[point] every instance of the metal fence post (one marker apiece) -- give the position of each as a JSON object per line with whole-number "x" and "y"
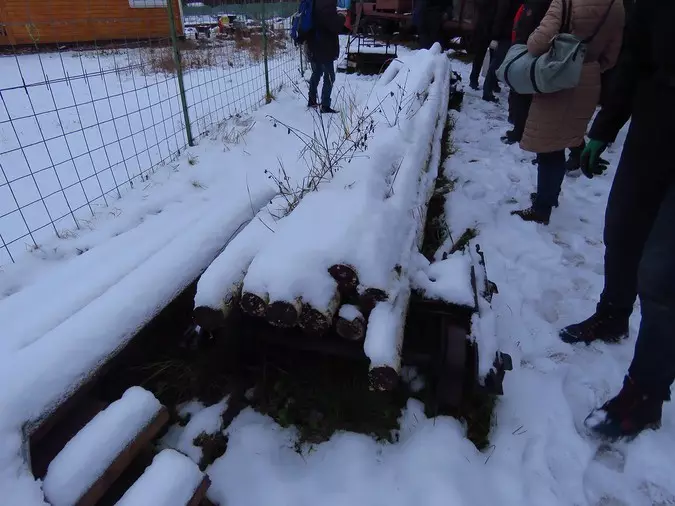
{"x": 179, "y": 72}
{"x": 268, "y": 93}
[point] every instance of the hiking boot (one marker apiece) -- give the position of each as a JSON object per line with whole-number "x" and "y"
{"x": 530, "y": 214}
{"x": 312, "y": 103}
{"x": 627, "y": 414}
{"x": 491, "y": 98}
{"x": 605, "y": 325}
{"x": 328, "y": 110}
{"x": 533, "y": 199}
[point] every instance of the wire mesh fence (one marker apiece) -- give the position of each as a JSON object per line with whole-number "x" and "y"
{"x": 95, "y": 97}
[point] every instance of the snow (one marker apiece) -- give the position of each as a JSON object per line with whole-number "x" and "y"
{"x": 222, "y": 280}
{"x": 548, "y": 277}
{"x": 202, "y": 421}
{"x": 349, "y": 312}
{"x": 448, "y": 280}
{"x": 170, "y": 480}
{"x": 90, "y": 452}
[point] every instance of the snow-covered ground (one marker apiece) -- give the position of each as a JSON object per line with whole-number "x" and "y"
{"x": 547, "y": 276}
{"x": 78, "y": 129}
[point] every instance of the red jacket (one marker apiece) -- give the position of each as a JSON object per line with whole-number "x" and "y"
{"x": 515, "y": 22}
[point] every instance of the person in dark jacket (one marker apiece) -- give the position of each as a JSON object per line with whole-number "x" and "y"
{"x": 482, "y": 36}
{"x": 431, "y": 20}
{"x": 323, "y": 48}
{"x": 501, "y": 32}
{"x": 639, "y": 232}
{"x": 519, "y": 105}
{"x": 573, "y": 165}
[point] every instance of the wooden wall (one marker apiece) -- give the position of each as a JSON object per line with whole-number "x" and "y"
{"x": 69, "y": 21}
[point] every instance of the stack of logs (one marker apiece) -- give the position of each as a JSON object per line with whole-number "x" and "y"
{"x": 348, "y": 310}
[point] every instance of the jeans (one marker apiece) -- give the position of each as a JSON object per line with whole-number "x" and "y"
{"x": 496, "y": 59}
{"x": 480, "y": 47}
{"x": 327, "y": 70}
{"x": 550, "y": 175}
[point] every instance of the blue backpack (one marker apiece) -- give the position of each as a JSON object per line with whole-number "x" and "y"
{"x": 303, "y": 22}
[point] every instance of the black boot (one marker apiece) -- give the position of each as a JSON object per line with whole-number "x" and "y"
{"x": 474, "y": 84}
{"x": 327, "y": 110}
{"x": 491, "y": 98}
{"x": 606, "y": 325}
{"x": 530, "y": 214}
{"x": 627, "y": 414}
{"x": 311, "y": 103}
{"x": 510, "y": 138}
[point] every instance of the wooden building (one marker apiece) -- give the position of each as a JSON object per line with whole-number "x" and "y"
{"x": 37, "y": 22}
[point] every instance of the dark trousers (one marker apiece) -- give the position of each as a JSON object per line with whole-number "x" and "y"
{"x": 327, "y": 71}
{"x": 496, "y": 59}
{"x": 519, "y": 108}
{"x": 480, "y": 46}
{"x": 640, "y": 253}
{"x": 550, "y": 175}
{"x": 431, "y": 26}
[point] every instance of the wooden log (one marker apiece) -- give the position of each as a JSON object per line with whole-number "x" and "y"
{"x": 284, "y": 314}
{"x": 254, "y": 304}
{"x": 208, "y": 318}
{"x": 370, "y": 297}
{"x": 346, "y": 277}
{"x": 350, "y": 324}
{"x": 317, "y": 321}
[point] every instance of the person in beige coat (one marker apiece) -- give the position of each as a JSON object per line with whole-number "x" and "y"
{"x": 558, "y": 120}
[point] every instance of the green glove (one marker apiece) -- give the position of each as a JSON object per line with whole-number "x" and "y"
{"x": 591, "y": 163}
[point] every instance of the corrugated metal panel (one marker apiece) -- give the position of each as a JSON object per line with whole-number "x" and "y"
{"x": 68, "y": 21}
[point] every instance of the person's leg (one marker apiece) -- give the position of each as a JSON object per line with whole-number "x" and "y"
{"x": 481, "y": 45}
{"x": 639, "y": 404}
{"x": 634, "y": 200}
{"x": 521, "y": 108}
{"x": 550, "y": 175}
{"x": 633, "y": 204}
{"x": 491, "y": 79}
{"x": 314, "y": 79}
{"x": 653, "y": 366}
{"x": 327, "y": 89}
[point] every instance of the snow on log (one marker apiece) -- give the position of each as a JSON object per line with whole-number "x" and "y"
{"x": 350, "y": 323}
{"x": 408, "y": 203}
{"x": 254, "y": 304}
{"x": 345, "y": 276}
{"x": 384, "y": 340}
{"x": 448, "y": 280}
{"x": 100, "y": 451}
{"x": 284, "y": 314}
{"x": 219, "y": 288}
{"x": 316, "y": 320}
{"x": 171, "y": 480}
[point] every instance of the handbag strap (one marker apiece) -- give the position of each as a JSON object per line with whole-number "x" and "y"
{"x": 589, "y": 39}
{"x": 566, "y": 20}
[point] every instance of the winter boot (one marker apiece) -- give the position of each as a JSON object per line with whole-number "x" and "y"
{"x": 491, "y": 98}
{"x": 509, "y": 138}
{"x": 327, "y": 110}
{"x": 312, "y": 103}
{"x": 627, "y": 414}
{"x": 530, "y": 214}
{"x": 474, "y": 85}
{"x": 606, "y": 325}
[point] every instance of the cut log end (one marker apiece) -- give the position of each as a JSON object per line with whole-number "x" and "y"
{"x": 352, "y": 330}
{"x": 283, "y": 314}
{"x": 253, "y": 304}
{"x": 345, "y": 276}
{"x": 383, "y": 378}
{"x": 317, "y": 322}
{"x": 370, "y": 297}
{"x": 208, "y": 318}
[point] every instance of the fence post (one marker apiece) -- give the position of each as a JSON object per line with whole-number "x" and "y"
{"x": 179, "y": 72}
{"x": 268, "y": 93}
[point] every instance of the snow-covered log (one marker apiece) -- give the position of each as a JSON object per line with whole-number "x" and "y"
{"x": 171, "y": 480}
{"x": 411, "y": 190}
{"x": 346, "y": 277}
{"x": 316, "y": 320}
{"x": 89, "y": 463}
{"x": 254, "y": 304}
{"x": 350, "y": 323}
{"x": 219, "y": 288}
{"x": 284, "y": 314}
